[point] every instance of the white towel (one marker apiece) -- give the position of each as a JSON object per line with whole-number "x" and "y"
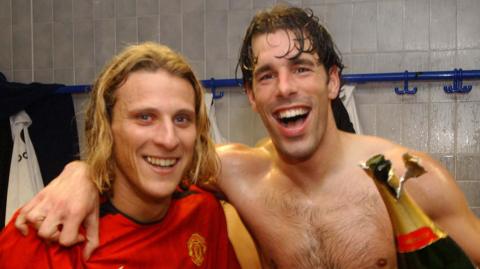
{"x": 25, "y": 179}
{"x": 346, "y": 95}
{"x": 214, "y": 130}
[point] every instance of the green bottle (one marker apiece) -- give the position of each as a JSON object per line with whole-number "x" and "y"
{"x": 420, "y": 243}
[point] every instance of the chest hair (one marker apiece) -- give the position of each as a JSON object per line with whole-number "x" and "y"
{"x": 348, "y": 231}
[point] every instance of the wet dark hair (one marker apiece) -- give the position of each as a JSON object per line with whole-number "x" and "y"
{"x": 303, "y": 24}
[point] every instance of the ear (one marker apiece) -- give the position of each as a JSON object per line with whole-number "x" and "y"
{"x": 333, "y": 82}
{"x": 251, "y": 96}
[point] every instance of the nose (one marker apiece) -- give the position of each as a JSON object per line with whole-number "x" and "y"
{"x": 165, "y": 135}
{"x": 285, "y": 84}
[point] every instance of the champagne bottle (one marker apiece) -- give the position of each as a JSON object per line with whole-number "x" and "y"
{"x": 420, "y": 243}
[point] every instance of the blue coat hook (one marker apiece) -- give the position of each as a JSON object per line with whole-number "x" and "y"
{"x": 213, "y": 88}
{"x": 457, "y": 86}
{"x": 405, "y": 86}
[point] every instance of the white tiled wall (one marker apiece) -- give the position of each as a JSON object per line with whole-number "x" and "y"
{"x": 68, "y": 41}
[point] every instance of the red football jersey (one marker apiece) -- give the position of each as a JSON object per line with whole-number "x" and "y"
{"x": 193, "y": 234}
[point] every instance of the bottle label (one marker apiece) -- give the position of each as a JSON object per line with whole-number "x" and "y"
{"x": 415, "y": 240}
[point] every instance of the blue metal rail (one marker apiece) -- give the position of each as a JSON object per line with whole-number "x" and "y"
{"x": 457, "y": 76}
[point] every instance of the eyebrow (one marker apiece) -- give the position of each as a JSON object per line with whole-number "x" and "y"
{"x": 291, "y": 61}
{"x": 302, "y": 61}
{"x": 154, "y": 109}
{"x": 261, "y": 69}
{"x": 188, "y": 111}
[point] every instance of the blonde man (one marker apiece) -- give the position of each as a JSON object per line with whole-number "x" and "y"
{"x": 147, "y": 140}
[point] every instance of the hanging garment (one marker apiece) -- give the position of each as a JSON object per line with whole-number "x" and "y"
{"x": 340, "y": 114}
{"x": 25, "y": 179}
{"x": 214, "y": 130}
{"x": 53, "y": 131}
{"x": 346, "y": 95}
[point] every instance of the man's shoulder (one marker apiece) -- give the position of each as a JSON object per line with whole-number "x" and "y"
{"x": 242, "y": 154}
{"x": 233, "y": 148}
{"x": 242, "y": 164}
{"x": 366, "y": 146}
{"x": 392, "y": 150}
{"x": 395, "y": 153}
{"x": 376, "y": 140}
{"x": 369, "y": 146}
{"x": 200, "y": 201}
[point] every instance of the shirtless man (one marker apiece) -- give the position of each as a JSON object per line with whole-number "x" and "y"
{"x": 302, "y": 196}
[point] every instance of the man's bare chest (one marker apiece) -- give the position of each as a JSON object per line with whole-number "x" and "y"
{"x": 350, "y": 231}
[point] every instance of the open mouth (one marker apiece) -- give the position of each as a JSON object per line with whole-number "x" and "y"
{"x": 292, "y": 117}
{"x": 161, "y": 162}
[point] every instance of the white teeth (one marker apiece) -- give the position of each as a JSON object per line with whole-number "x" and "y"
{"x": 161, "y": 162}
{"x": 292, "y": 113}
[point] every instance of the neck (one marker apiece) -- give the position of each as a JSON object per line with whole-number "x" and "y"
{"x": 143, "y": 210}
{"x": 323, "y": 162}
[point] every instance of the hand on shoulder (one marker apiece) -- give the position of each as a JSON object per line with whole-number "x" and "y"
{"x": 57, "y": 212}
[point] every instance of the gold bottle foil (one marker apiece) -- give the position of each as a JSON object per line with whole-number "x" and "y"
{"x": 413, "y": 228}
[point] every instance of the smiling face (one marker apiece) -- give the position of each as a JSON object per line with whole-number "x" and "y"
{"x": 154, "y": 132}
{"x": 291, "y": 94}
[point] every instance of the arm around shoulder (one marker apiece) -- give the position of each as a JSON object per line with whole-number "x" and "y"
{"x": 68, "y": 201}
